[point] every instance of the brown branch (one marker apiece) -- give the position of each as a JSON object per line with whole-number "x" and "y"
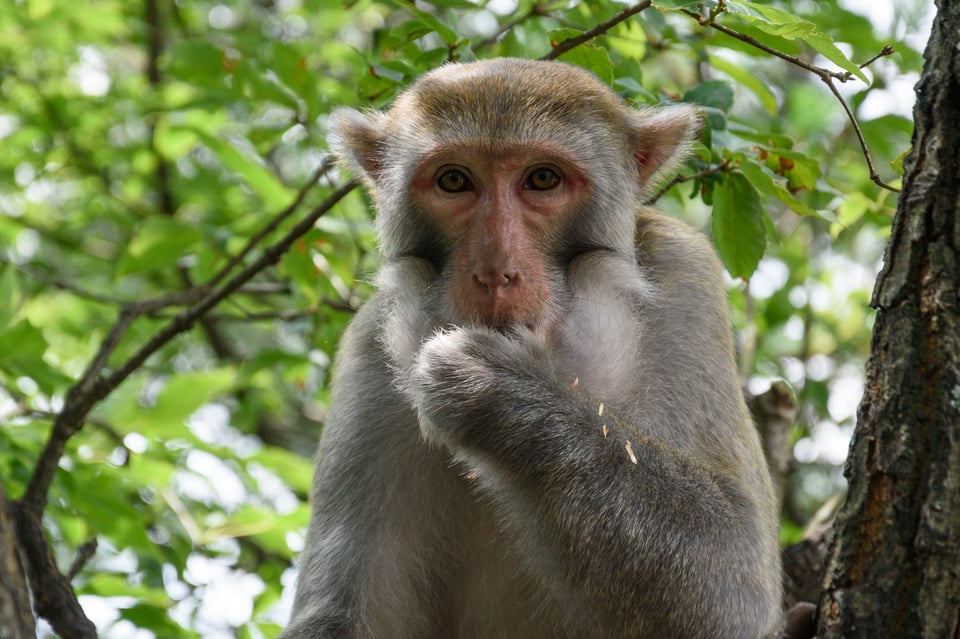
{"x": 186, "y": 318}
{"x": 826, "y": 75}
{"x": 63, "y": 285}
{"x": 84, "y": 554}
{"x": 54, "y": 598}
{"x": 272, "y": 316}
{"x": 885, "y": 51}
{"x": 680, "y": 179}
{"x": 16, "y": 616}
{"x": 600, "y": 29}
{"x": 774, "y": 413}
{"x": 235, "y": 261}
{"x": 874, "y": 175}
{"x": 709, "y": 22}
{"x": 91, "y": 387}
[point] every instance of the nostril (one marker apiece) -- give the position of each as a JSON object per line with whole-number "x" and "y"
{"x": 493, "y": 281}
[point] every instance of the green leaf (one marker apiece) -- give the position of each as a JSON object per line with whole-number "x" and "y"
{"x": 9, "y": 295}
{"x": 22, "y": 350}
{"x": 184, "y": 393}
{"x": 297, "y": 266}
{"x": 675, "y": 5}
{"x": 158, "y": 243}
{"x": 763, "y": 137}
{"x": 712, "y": 93}
{"x": 155, "y": 618}
{"x": 748, "y": 80}
{"x": 173, "y": 142}
{"x": 779, "y": 23}
{"x": 295, "y": 471}
{"x": 737, "y": 225}
{"x": 448, "y": 35}
{"x": 250, "y": 169}
{"x": 265, "y": 526}
{"x": 823, "y": 44}
{"x": 801, "y": 170}
{"x": 765, "y": 184}
{"x": 897, "y": 163}
{"x": 588, "y": 55}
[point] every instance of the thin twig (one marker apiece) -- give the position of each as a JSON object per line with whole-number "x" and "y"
{"x": 325, "y": 166}
{"x": 93, "y": 387}
{"x": 185, "y": 319}
{"x": 84, "y": 553}
{"x": 885, "y": 51}
{"x": 600, "y": 29}
{"x": 680, "y": 179}
{"x": 874, "y": 175}
{"x": 825, "y": 75}
{"x": 63, "y": 285}
{"x": 708, "y": 22}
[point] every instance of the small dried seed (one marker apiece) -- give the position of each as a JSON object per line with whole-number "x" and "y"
{"x": 629, "y": 448}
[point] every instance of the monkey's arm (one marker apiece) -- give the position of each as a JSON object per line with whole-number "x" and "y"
{"x": 359, "y": 572}
{"x": 597, "y": 516}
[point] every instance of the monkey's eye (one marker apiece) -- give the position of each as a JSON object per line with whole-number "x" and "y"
{"x": 454, "y": 181}
{"x": 542, "y": 179}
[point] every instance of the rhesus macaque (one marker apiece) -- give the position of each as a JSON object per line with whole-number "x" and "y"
{"x": 537, "y": 429}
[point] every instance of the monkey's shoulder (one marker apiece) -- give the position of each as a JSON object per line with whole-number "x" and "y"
{"x": 671, "y": 250}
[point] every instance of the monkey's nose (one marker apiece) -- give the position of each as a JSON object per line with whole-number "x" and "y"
{"x": 495, "y": 282}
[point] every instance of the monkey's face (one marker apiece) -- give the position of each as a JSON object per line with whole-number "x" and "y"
{"x": 501, "y": 211}
{"x": 501, "y": 174}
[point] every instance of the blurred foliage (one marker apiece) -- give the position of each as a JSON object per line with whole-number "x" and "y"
{"x": 144, "y": 144}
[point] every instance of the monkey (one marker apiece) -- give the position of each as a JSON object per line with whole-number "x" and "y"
{"x": 536, "y": 427}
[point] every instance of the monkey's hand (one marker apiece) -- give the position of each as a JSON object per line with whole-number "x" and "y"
{"x": 470, "y": 384}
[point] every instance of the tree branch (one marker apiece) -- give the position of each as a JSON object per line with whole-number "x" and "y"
{"x": 16, "y": 616}
{"x": 325, "y": 166}
{"x": 600, "y": 29}
{"x": 826, "y": 76}
{"x": 54, "y": 598}
{"x": 680, "y": 179}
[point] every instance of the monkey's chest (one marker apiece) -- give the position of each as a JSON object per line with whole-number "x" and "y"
{"x": 486, "y": 592}
{"x": 493, "y": 598}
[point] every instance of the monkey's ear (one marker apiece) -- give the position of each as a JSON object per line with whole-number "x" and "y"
{"x": 662, "y": 139}
{"x": 357, "y": 141}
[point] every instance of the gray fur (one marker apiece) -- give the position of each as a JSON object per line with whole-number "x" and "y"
{"x": 466, "y": 487}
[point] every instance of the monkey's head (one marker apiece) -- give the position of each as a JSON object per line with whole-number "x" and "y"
{"x": 501, "y": 173}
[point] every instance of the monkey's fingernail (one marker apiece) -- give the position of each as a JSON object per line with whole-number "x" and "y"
{"x": 605, "y": 431}
{"x": 600, "y": 409}
{"x": 629, "y": 448}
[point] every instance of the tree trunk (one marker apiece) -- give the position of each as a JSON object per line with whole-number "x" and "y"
{"x": 894, "y": 565}
{"x": 16, "y": 616}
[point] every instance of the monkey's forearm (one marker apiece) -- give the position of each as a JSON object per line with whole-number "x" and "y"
{"x": 611, "y": 509}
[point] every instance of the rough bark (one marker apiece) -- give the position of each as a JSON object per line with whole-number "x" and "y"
{"x": 894, "y": 564}
{"x": 774, "y": 413}
{"x": 16, "y": 616}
